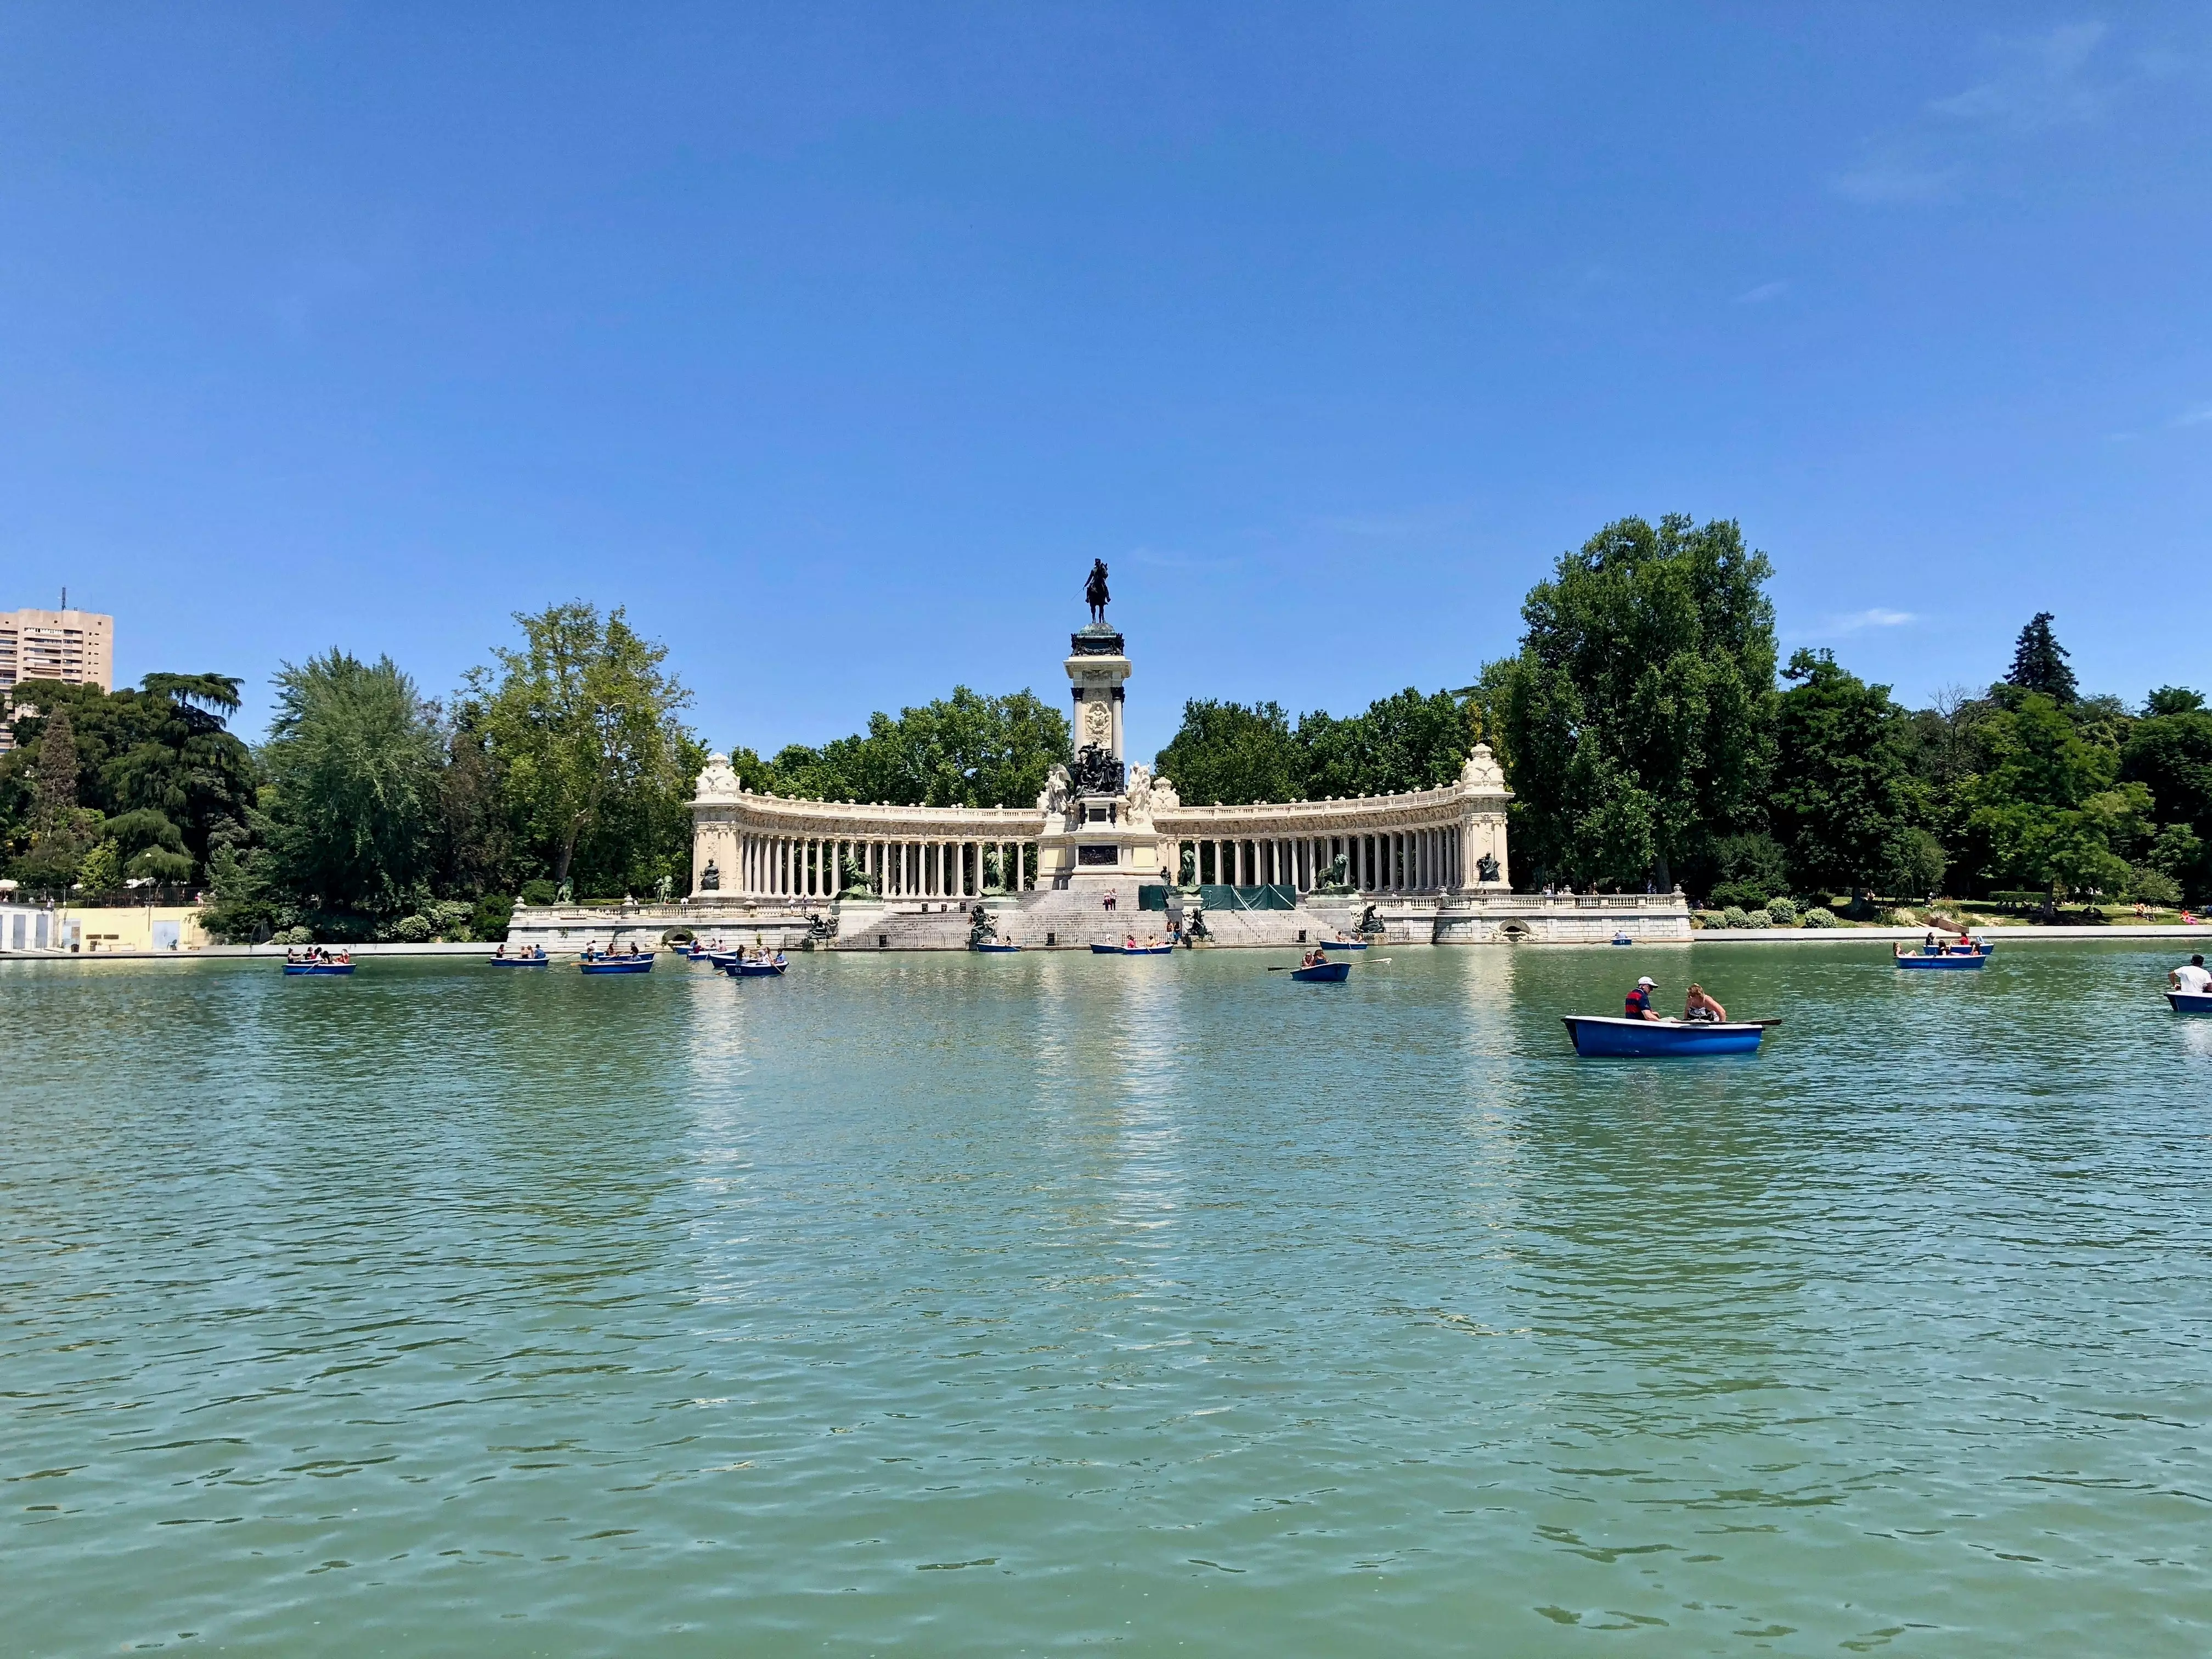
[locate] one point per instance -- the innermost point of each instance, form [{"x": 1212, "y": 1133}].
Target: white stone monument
[{"x": 1098, "y": 815}]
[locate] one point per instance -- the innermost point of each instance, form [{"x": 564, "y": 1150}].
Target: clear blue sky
[{"x": 836, "y": 343}]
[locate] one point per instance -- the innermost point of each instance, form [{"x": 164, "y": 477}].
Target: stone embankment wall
[{"x": 1076, "y": 918}]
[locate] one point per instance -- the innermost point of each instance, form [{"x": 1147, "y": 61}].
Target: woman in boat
[{"x": 1700, "y": 1006}]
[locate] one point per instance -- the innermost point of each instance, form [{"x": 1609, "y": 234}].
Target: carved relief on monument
[{"x": 1059, "y": 787}]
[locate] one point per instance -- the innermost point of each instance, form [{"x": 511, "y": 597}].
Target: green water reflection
[{"x": 999, "y": 1304}]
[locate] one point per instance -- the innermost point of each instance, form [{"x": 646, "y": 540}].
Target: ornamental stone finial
[
  {"x": 717, "y": 781},
  {"x": 1482, "y": 770}
]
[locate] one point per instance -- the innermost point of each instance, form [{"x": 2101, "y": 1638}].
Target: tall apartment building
[{"x": 75, "y": 647}]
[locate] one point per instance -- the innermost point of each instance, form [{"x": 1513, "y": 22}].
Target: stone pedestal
[{"x": 1098, "y": 840}]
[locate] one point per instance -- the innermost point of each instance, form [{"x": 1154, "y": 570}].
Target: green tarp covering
[{"x": 1277, "y": 897}]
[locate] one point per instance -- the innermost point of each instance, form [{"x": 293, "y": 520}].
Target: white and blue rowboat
[
  {"x": 1132, "y": 950},
  {"x": 1609, "y": 1037},
  {"x": 767, "y": 967},
  {"x": 995, "y": 950},
  {"x": 1344, "y": 945},
  {"x": 540, "y": 960},
  {"x": 1954, "y": 962},
  {"x": 2190, "y": 1002},
  {"x": 319, "y": 970},
  {"x": 1322, "y": 973},
  {"x": 617, "y": 965}
]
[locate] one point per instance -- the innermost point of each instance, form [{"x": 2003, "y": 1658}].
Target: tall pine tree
[{"x": 2039, "y": 662}]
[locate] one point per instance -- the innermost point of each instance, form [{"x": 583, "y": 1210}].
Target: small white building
[{"x": 30, "y": 928}]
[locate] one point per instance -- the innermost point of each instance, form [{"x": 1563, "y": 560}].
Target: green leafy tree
[
  {"x": 1638, "y": 716},
  {"x": 1405, "y": 742},
  {"x": 2170, "y": 754},
  {"x": 352, "y": 760},
  {"x": 59, "y": 833},
  {"x": 2049, "y": 810},
  {"x": 163, "y": 747},
  {"x": 967, "y": 749},
  {"x": 2172, "y": 700},
  {"x": 1228, "y": 754},
  {"x": 150, "y": 847},
  {"x": 1839, "y": 798},
  {"x": 1750, "y": 870},
  {"x": 2039, "y": 662},
  {"x": 101, "y": 871},
  {"x": 1914, "y": 863},
  {"x": 581, "y": 724}
]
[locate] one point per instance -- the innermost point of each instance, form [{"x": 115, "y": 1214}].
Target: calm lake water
[{"x": 976, "y": 1306}]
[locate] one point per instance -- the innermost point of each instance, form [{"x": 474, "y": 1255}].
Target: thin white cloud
[
  {"x": 1761, "y": 295},
  {"x": 1876, "y": 617},
  {"x": 2036, "y": 83},
  {"x": 2196, "y": 417},
  {"x": 1893, "y": 173}
]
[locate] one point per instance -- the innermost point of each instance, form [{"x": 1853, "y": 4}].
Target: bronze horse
[{"x": 1094, "y": 590}]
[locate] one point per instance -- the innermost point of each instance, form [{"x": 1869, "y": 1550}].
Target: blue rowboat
[
  {"x": 319, "y": 970},
  {"x": 772, "y": 967},
  {"x": 520, "y": 962},
  {"x": 1603, "y": 1037},
  {"x": 1622, "y": 939},
  {"x": 1344, "y": 945},
  {"x": 1955, "y": 962},
  {"x": 2190, "y": 1002},
  {"x": 1323, "y": 972},
  {"x": 1132, "y": 950},
  {"x": 996, "y": 950},
  {"x": 617, "y": 965}
]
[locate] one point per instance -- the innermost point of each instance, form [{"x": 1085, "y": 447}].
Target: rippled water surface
[{"x": 956, "y": 1305}]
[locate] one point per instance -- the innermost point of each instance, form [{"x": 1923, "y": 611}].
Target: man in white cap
[{"x": 1639, "y": 1000}]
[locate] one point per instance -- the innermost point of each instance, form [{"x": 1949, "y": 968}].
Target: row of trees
[
  {"x": 1650, "y": 738},
  {"x": 370, "y": 809},
  {"x": 1642, "y": 724}
]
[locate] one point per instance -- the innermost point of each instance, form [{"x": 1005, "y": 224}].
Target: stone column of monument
[{"x": 1099, "y": 823}]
